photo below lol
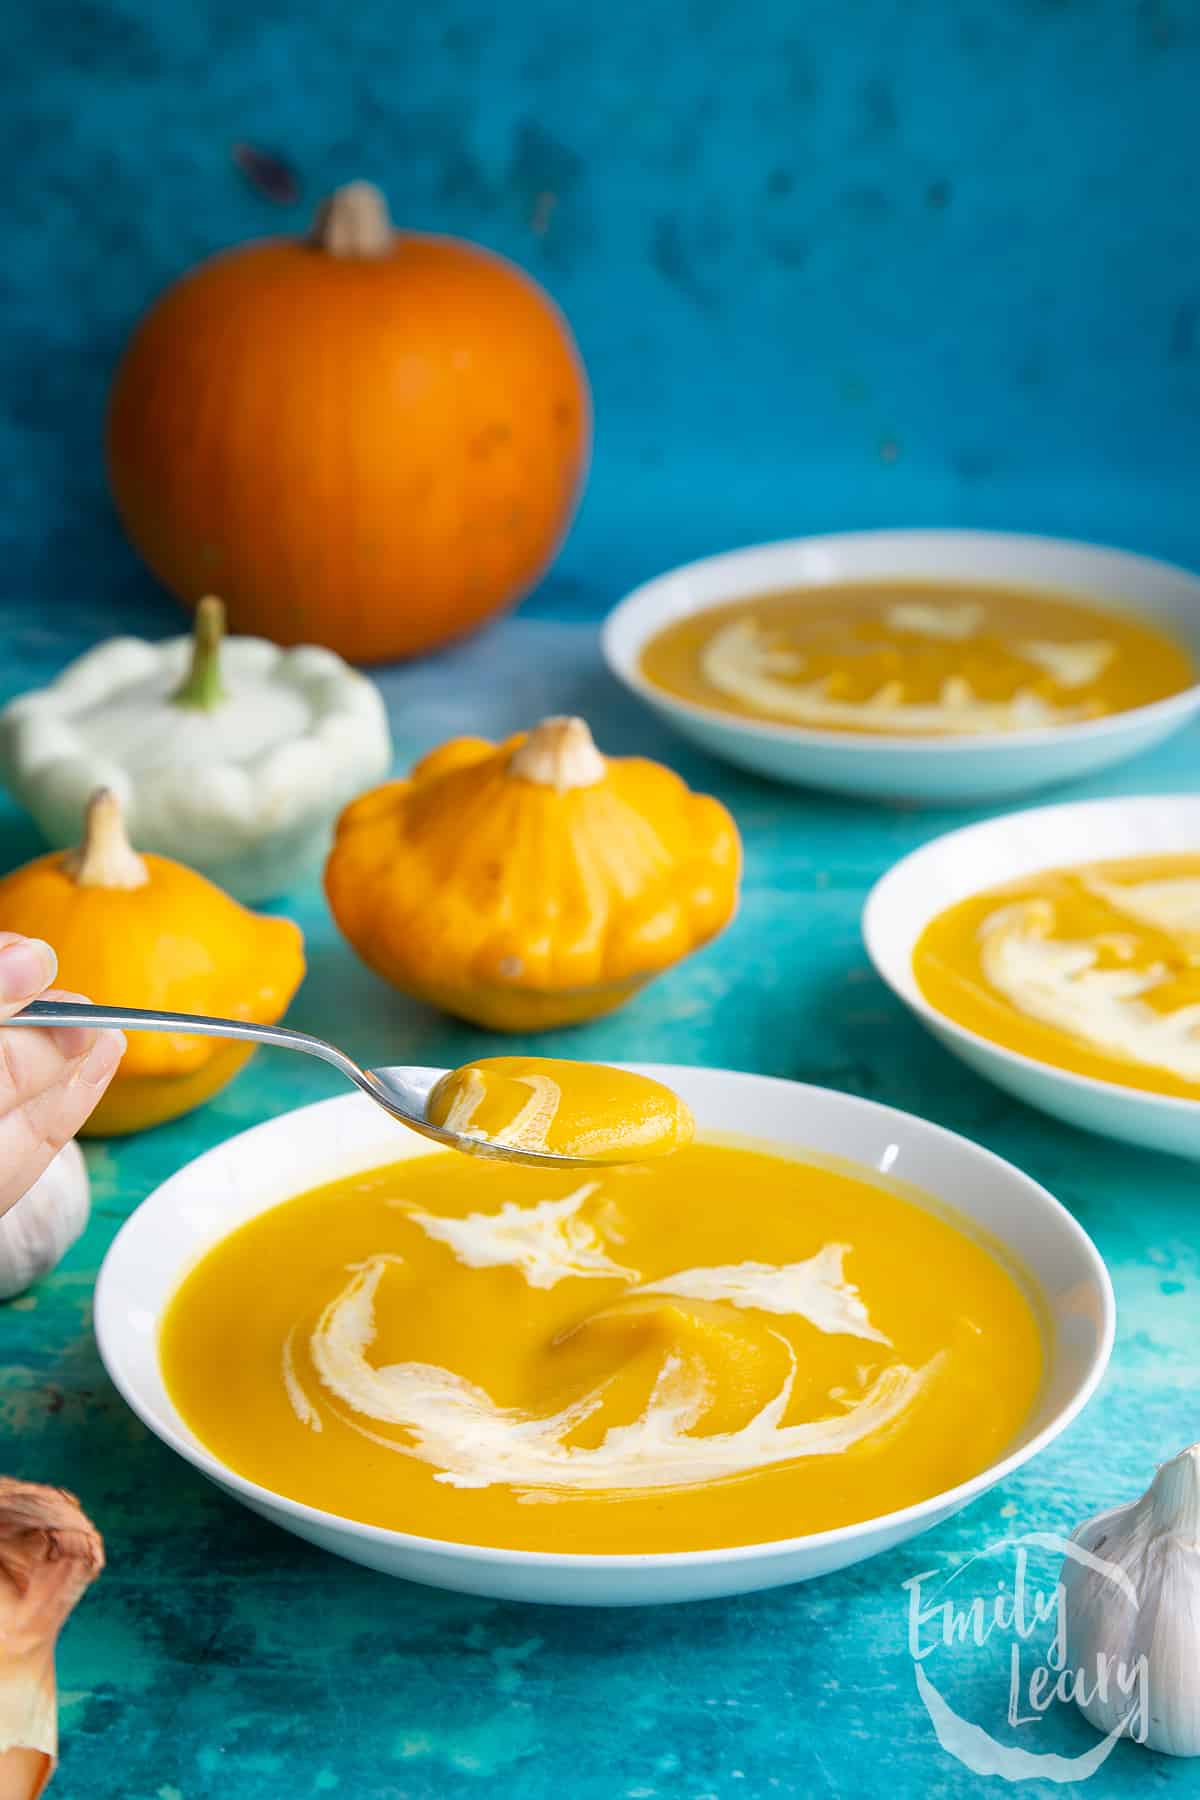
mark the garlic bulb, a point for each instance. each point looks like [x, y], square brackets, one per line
[1131, 1595]
[37, 1232]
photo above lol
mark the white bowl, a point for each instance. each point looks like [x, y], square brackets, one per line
[964, 862]
[259, 1168]
[946, 771]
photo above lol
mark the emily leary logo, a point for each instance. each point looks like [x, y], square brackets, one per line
[995, 1602]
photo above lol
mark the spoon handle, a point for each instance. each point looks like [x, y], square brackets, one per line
[401, 1092]
[135, 1018]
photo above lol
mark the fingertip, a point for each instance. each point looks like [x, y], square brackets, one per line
[27, 967]
[71, 1041]
[100, 1063]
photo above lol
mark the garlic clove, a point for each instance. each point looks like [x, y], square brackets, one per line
[37, 1232]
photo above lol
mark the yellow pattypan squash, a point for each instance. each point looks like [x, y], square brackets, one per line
[531, 883]
[146, 931]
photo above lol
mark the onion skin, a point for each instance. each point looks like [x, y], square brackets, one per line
[50, 1553]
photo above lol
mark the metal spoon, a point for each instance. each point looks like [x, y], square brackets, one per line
[403, 1092]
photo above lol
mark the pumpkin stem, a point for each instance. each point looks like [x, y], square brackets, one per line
[201, 687]
[559, 753]
[105, 858]
[354, 221]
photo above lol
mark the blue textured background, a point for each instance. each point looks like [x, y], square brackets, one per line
[831, 265]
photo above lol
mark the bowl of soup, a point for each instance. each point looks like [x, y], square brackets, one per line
[817, 1329]
[1057, 952]
[943, 667]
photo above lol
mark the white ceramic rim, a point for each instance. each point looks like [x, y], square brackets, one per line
[904, 985]
[624, 660]
[936, 1505]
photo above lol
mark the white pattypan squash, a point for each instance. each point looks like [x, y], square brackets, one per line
[232, 756]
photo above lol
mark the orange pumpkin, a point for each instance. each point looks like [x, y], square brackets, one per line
[368, 440]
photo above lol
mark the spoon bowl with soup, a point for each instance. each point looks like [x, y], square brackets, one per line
[584, 1112]
[523, 1109]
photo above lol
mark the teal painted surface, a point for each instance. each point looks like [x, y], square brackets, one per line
[219, 1656]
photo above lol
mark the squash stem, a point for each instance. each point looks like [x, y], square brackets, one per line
[202, 687]
[106, 858]
[353, 222]
[559, 753]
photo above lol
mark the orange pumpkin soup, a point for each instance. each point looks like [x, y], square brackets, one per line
[909, 658]
[1094, 969]
[562, 1108]
[723, 1346]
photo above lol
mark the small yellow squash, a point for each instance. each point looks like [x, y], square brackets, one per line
[532, 883]
[146, 931]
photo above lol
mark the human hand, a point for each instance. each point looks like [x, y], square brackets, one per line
[50, 1079]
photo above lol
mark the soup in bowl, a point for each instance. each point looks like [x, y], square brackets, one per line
[761, 1358]
[934, 666]
[1057, 951]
